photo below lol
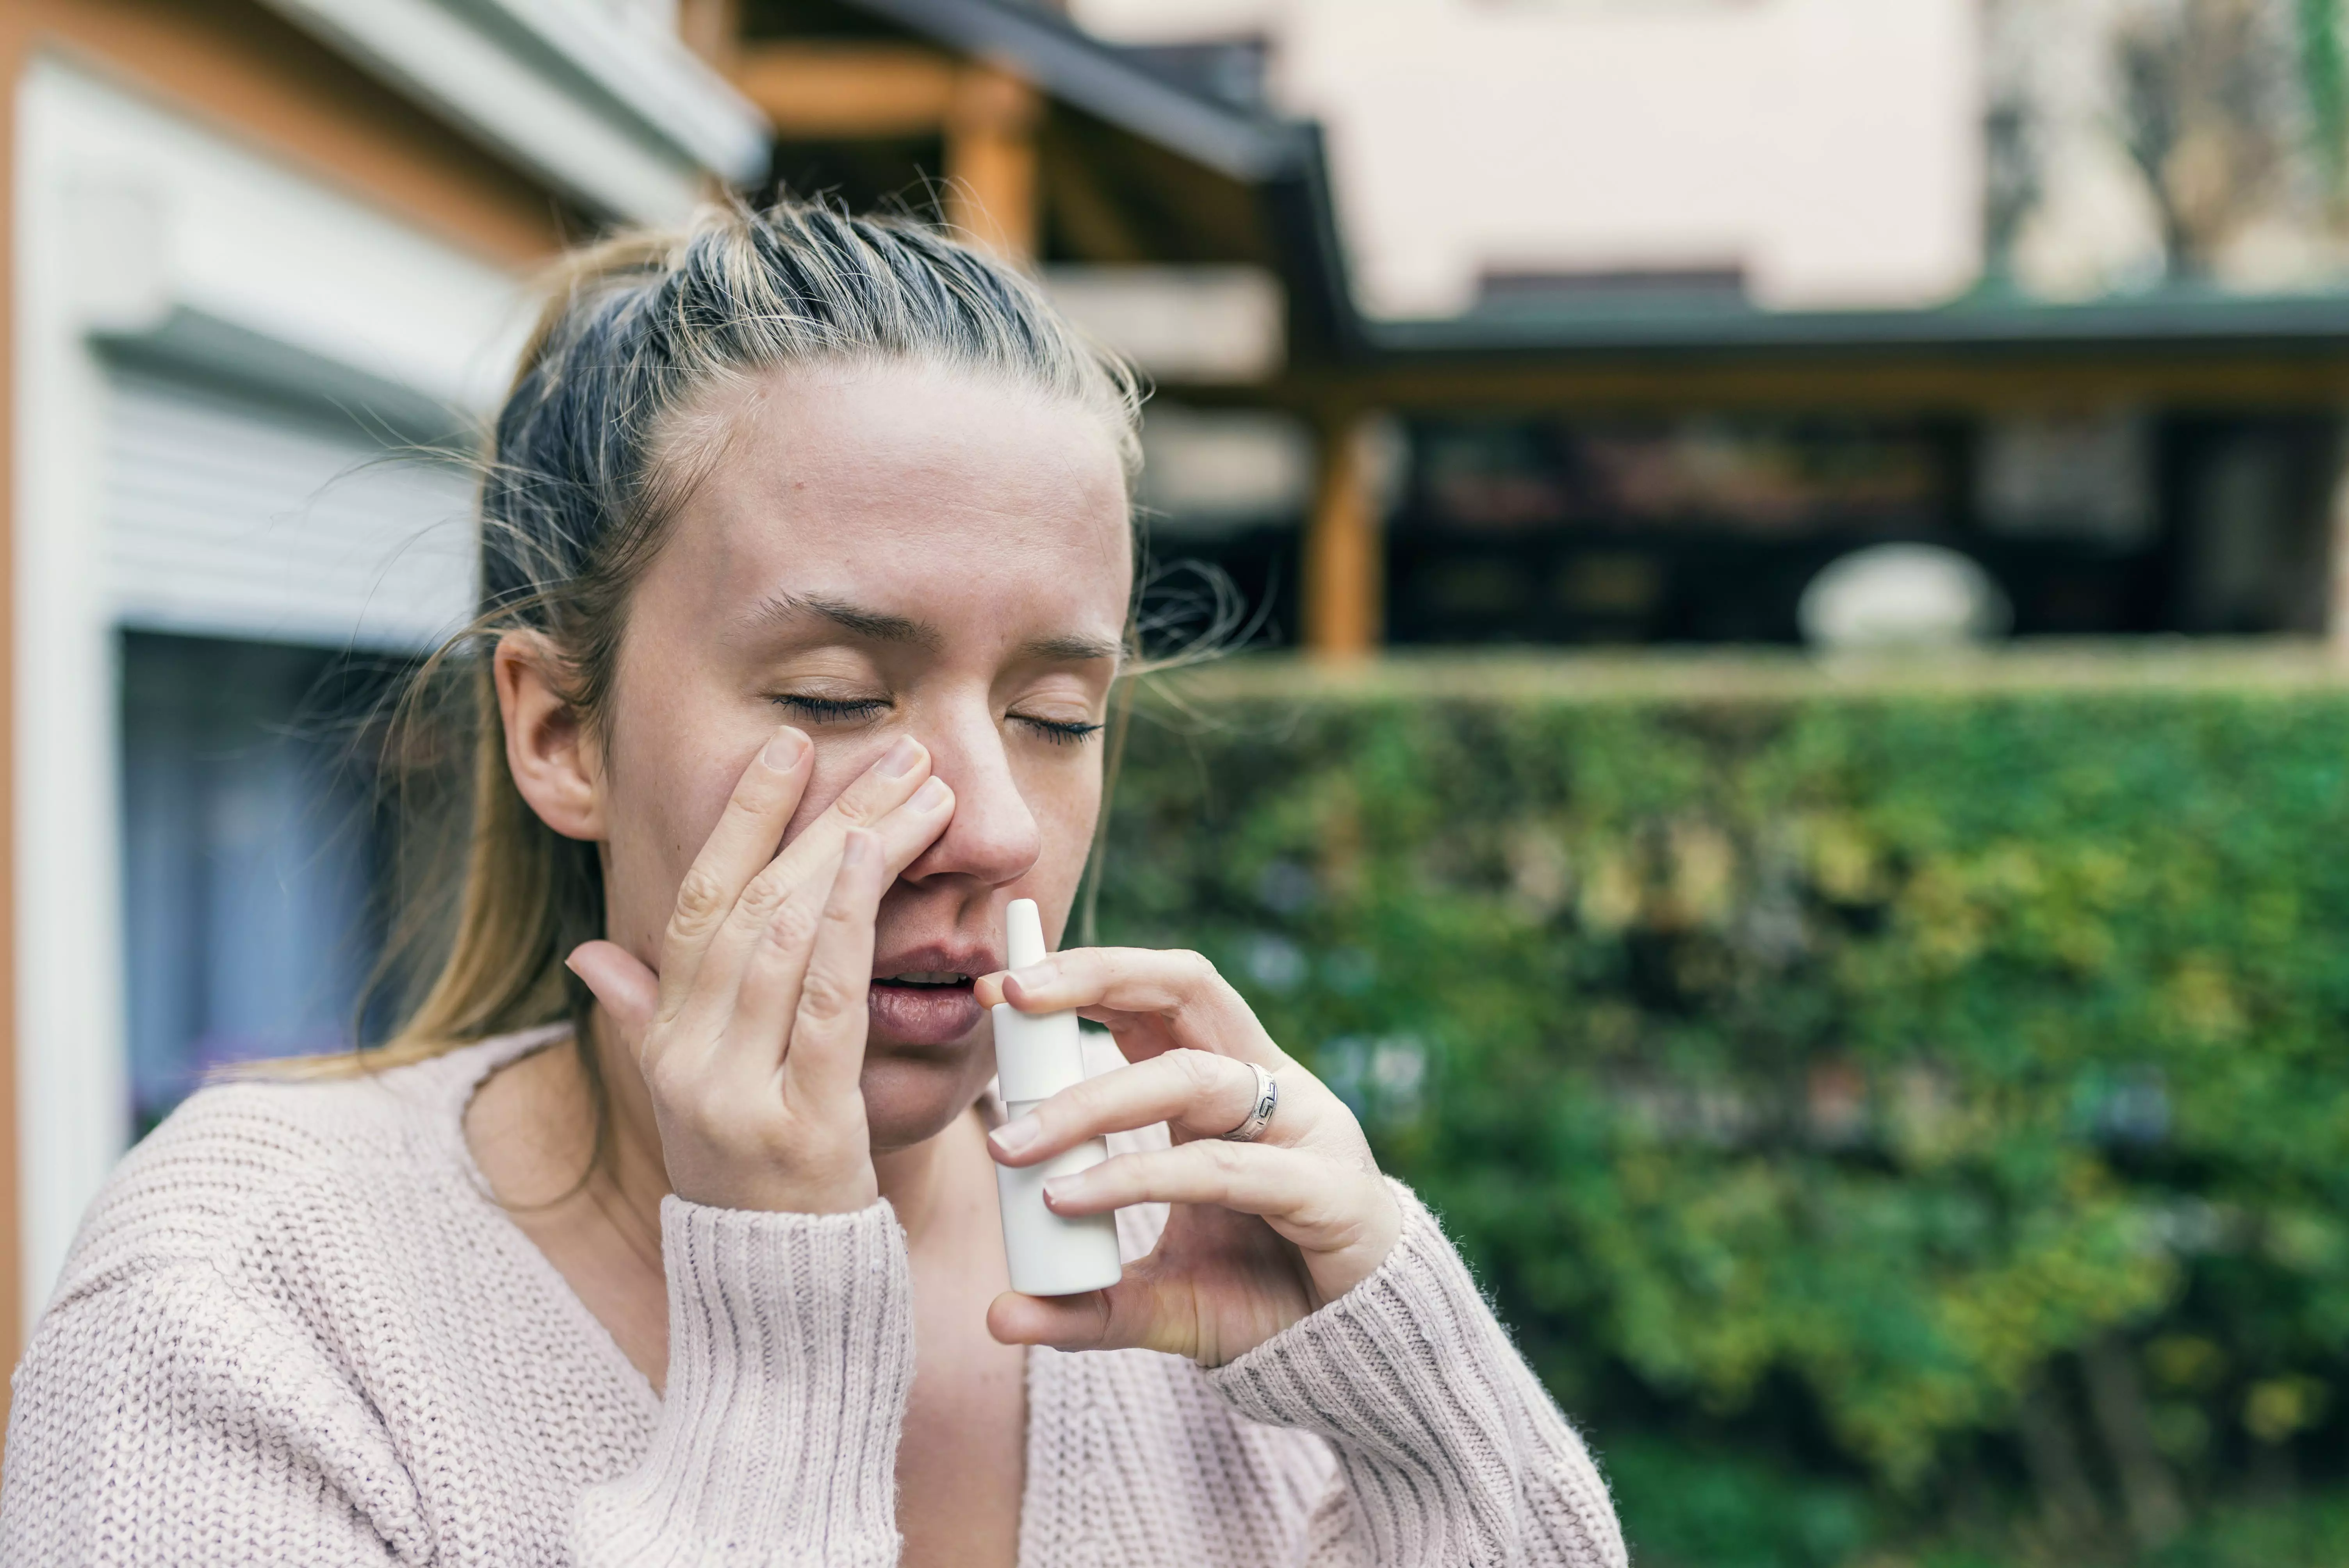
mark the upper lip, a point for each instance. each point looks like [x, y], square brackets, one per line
[973, 959]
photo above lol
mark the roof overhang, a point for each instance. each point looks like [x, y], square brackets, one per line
[2176, 345]
[622, 117]
[2163, 320]
[1085, 73]
[2173, 347]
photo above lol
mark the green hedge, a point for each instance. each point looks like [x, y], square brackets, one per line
[1901, 1112]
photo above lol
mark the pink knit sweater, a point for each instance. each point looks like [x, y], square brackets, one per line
[294, 1330]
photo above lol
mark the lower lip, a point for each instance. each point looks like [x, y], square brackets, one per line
[923, 1015]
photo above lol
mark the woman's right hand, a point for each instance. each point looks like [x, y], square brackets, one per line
[752, 1038]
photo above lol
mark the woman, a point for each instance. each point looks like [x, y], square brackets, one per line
[665, 1232]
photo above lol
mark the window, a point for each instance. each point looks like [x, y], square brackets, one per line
[249, 854]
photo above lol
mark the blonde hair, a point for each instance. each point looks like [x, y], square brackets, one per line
[602, 437]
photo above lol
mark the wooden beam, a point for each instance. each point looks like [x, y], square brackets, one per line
[848, 91]
[991, 184]
[1345, 560]
[713, 29]
[853, 91]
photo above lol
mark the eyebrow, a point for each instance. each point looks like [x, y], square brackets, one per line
[880, 627]
[1069, 649]
[873, 625]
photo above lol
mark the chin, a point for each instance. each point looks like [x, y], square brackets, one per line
[914, 1093]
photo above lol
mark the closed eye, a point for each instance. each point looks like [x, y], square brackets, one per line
[1059, 731]
[829, 710]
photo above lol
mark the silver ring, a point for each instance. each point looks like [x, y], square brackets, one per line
[1268, 1101]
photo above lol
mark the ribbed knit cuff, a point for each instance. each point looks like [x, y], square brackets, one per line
[791, 1351]
[1446, 1439]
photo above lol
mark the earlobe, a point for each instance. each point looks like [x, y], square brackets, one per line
[548, 750]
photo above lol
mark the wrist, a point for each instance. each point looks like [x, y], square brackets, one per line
[1377, 1232]
[791, 1359]
[761, 1181]
[817, 1201]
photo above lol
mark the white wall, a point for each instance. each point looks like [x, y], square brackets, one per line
[129, 216]
[1830, 148]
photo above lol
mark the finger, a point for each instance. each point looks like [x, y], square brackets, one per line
[775, 967]
[1299, 1195]
[826, 1055]
[1201, 1009]
[1148, 1309]
[1195, 1093]
[1064, 1322]
[621, 984]
[892, 782]
[744, 840]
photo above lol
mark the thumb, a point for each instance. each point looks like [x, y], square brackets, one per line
[627, 990]
[1064, 1322]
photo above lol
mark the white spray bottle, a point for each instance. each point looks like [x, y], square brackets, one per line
[1037, 1055]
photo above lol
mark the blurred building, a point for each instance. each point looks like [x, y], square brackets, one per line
[1661, 309]
[1580, 320]
[264, 264]
[1552, 322]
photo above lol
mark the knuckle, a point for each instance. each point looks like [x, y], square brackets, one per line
[1073, 1105]
[762, 900]
[1195, 983]
[790, 927]
[700, 902]
[858, 806]
[1083, 1106]
[825, 996]
[841, 903]
[1200, 1072]
[664, 1084]
[1226, 1159]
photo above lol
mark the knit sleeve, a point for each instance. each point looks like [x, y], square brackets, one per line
[162, 1417]
[1449, 1449]
[790, 1353]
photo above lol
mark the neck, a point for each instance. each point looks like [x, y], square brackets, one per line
[912, 1178]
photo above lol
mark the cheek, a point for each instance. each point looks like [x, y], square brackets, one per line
[674, 769]
[1065, 797]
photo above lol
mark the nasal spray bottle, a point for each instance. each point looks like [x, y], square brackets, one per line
[1036, 1057]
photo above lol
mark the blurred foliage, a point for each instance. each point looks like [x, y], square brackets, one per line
[1902, 1126]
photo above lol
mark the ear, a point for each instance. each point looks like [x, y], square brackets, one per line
[549, 752]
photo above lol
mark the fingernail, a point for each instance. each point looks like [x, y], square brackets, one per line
[784, 752]
[932, 795]
[856, 848]
[901, 759]
[1066, 1189]
[1036, 976]
[1014, 1136]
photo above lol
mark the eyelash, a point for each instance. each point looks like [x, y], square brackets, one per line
[1060, 732]
[828, 710]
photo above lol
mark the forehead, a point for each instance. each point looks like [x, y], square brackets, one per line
[961, 499]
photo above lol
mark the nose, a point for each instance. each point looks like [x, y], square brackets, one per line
[994, 838]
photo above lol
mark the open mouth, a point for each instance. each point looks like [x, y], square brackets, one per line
[924, 1006]
[925, 980]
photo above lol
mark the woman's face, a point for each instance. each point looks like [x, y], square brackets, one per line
[882, 552]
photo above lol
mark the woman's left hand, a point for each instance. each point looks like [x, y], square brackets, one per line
[1259, 1233]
